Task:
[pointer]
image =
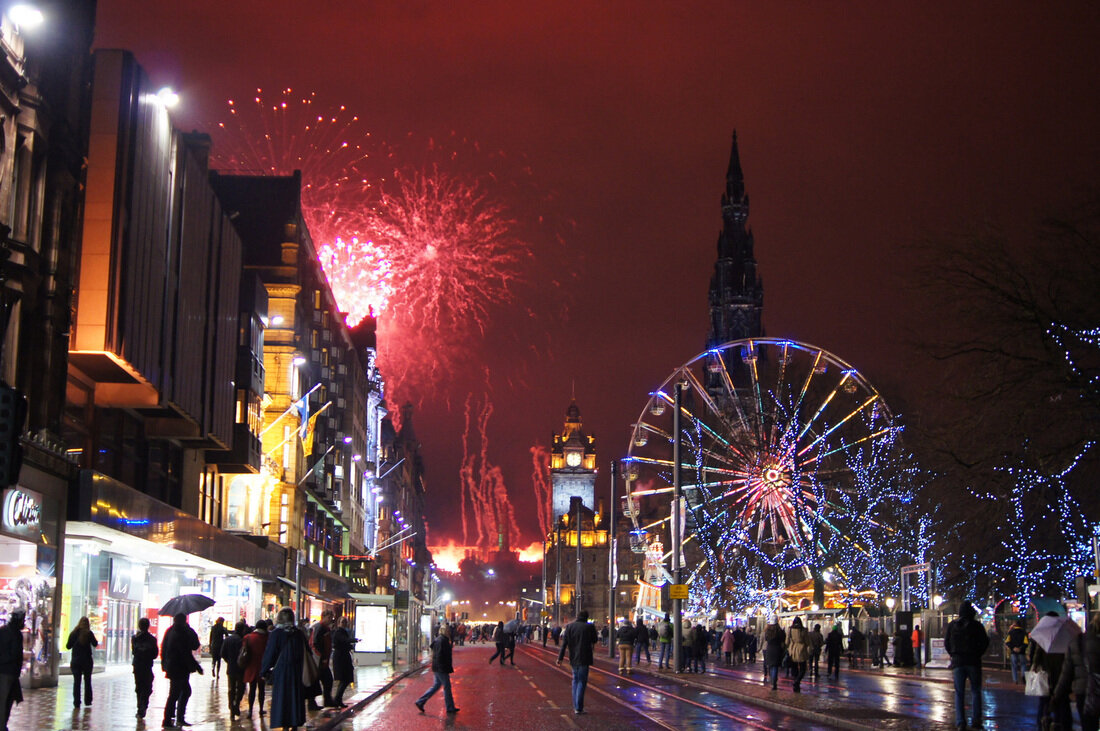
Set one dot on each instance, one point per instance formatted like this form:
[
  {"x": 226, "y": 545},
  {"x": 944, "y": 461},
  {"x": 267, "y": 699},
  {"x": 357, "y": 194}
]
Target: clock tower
[{"x": 573, "y": 464}]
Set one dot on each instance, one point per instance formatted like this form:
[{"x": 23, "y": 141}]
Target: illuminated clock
[{"x": 573, "y": 459}]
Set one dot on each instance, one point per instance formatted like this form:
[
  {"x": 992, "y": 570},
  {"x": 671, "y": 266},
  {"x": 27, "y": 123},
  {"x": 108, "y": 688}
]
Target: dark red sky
[{"x": 861, "y": 130}]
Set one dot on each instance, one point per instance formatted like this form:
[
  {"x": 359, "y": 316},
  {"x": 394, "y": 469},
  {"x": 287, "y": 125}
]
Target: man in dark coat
[
  {"x": 966, "y": 641},
  {"x": 321, "y": 642},
  {"x": 11, "y": 664},
  {"x": 442, "y": 667},
  {"x": 178, "y": 662},
  {"x": 231, "y": 651},
  {"x": 579, "y": 638},
  {"x": 143, "y": 649},
  {"x": 283, "y": 658}
]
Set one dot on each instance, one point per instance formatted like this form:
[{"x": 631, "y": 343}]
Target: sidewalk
[{"x": 115, "y": 704}]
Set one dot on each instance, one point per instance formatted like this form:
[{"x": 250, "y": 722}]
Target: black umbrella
[{"x": 186, "y": 604}]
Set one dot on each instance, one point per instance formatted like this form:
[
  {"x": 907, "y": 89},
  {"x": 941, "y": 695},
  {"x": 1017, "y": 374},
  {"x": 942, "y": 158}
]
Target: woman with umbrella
[
  {"x": 1049, "y": 642},
  {"x": 283, "y": 658}
]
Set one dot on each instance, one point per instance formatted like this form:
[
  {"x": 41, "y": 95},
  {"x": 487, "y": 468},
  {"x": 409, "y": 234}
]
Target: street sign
[{"x": 677, "y": 591}]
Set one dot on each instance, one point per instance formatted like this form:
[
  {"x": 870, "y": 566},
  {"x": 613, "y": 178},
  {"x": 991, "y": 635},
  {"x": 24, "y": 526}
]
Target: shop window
[{"x": 236, "y": 505}]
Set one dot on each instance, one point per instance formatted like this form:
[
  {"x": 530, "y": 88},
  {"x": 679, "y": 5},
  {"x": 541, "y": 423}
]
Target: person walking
[
  {"x": 498, "y": 638},
  {"x": 234, "y": 673},
  {"x": 1016, "y": 644},
  {"x": 11, "y": 664},
  {"x": 883, "y": 648},
  {"x": 579, "y": 638},
  {"x": 855, "y": 647},
  {"x": 1082, "y": 653},
  {"x": 664, "y": 636},
  {"x": 1048, "y": 643},
  {"x": 701, "y": 643},
  {"x": 965, "y": 640},
  {"x": 217, "y": 637},
  {"x": 641, "y": 642},
  {"x": 625, "y": 639},
  {"x": 872, "y": 647},
  {"x": 81, "y": 641},
  {"x": 442, "y": 667},
  {"x": 834, "y": 648},
  {"x": 817, "y": 641},
  {"x": 752, "y": 644},
  {"x": 144, "y": 651},
  {"x": 918, "y": 643},
  {"x": 687, "y": 646},
  {"x": 343, "y": 670},
  {"x": 284, "y": 655},
  {"x": 727, "y": 645},
  {"x": 774, "y": 641},
  {"x": 177, "y": 659},
  {"x": 321, "y": 644},
  {"x": 254, "y": 644},
  {"x": 798, "y": 647}
]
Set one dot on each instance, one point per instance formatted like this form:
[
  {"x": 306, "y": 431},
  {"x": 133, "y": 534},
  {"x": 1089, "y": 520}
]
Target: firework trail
[
  {"x": 540, "y": 480},
  {"x": 484, "y": 494}
]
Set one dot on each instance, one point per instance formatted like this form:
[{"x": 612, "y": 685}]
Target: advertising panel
[{"x": 370, "y": 628}]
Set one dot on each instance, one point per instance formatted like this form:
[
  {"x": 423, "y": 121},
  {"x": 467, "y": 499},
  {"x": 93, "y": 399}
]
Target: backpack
[{"x": 666, "y": 631}]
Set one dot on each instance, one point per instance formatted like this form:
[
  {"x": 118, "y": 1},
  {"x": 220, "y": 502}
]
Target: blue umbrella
[{"x": 185, "y": 604}]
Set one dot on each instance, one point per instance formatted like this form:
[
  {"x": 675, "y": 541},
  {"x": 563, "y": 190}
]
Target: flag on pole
[
  {"x": 309, "y": 437},
  {"x": 302, "y": 406}
]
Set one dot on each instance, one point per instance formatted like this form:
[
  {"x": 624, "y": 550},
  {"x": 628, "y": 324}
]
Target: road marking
[
  {"x": 569, "y": 721},
  {"x": 552, "y": 704},
  {"x": 540, "y": 692}
]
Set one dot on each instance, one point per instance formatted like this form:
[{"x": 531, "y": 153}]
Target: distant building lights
[
  {"x": 299, "y": 360},
  {"x": 356, "y": 457},
  {"x": 26, "y": 16},
  {"x": 347, "y": 440},
  {"x": 276, "y": 320},
  {"x": 167, "y": 97}
]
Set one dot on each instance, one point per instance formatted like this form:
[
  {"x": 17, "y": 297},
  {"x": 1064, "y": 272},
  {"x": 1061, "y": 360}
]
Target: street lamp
[
  {"x": 890, "y": 602},
  {"x": 937, "y": 601}
]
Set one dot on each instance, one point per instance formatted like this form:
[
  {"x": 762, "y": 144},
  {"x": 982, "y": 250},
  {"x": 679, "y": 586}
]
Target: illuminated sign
[
  {"x": 371, "y": 628},
  {"x": 22, "y": 513}
]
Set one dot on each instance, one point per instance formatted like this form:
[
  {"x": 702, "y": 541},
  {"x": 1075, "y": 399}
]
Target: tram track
[{"x": 742, "y": 721}]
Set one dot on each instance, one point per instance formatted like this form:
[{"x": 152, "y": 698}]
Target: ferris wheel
[{"x": 769, "y": 430}]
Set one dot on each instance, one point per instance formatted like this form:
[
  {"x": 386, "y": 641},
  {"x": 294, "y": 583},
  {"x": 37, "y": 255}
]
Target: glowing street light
[
  {"x": 26, "y": 16},
  {"x": 168, "y": 97}
]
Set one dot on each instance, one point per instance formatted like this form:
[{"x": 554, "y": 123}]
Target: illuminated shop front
[
  {"x": 31, "y": 524},
  {"x": 126, "y": 554}
]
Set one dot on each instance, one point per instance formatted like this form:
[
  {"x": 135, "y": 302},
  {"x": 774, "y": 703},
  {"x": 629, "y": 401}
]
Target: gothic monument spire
[{"x": 736, "y": 295}]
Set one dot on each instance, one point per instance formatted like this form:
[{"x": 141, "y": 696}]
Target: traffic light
[{"x": 13, "y": 412}]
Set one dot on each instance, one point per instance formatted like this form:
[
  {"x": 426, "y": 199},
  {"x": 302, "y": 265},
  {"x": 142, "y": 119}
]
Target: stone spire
[{"x": 736, "y": 295}]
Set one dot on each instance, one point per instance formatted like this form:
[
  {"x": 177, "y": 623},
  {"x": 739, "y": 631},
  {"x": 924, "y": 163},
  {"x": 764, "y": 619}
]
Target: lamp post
[
  {"x": 611, "y": 567},
  {"x": 580, "y": 566},
  {"x": 677, "y": 606}
]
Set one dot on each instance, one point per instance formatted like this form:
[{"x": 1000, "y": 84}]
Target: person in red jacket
[
  {"x": 918, "y": 638},
  {"x": 255, "y": 642}
]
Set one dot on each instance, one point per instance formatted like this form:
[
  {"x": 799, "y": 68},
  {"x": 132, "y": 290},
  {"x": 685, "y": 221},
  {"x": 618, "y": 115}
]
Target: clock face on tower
[{"x": 573, "y": 459}]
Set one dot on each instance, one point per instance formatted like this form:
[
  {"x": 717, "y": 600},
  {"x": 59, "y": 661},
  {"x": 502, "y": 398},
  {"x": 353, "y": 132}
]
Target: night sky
[{"x": 862, "y": 131}]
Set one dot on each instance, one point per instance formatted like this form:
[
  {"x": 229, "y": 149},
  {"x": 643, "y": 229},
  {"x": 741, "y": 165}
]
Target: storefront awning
[
  {"x": 293, "y": 585},
  {"x": 105, "y": 509}
]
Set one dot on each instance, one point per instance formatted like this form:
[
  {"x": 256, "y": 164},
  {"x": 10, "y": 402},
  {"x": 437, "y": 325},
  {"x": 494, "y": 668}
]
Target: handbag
[
  {"x": 1038, "y": 684},
  {"x": 243, "y": 656},
  {"x": 310, "y": 672}
]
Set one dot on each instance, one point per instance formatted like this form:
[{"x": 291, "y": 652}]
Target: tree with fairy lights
[{"x": 1042, "y": 530}]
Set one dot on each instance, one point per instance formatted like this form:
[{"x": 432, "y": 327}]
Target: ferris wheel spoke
[
  {"x": 824, "y": 435},
  {"x": 727, "y": 381},
  {"x": 654, "y": 491},
  {"x": 848, "y": 445}
]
